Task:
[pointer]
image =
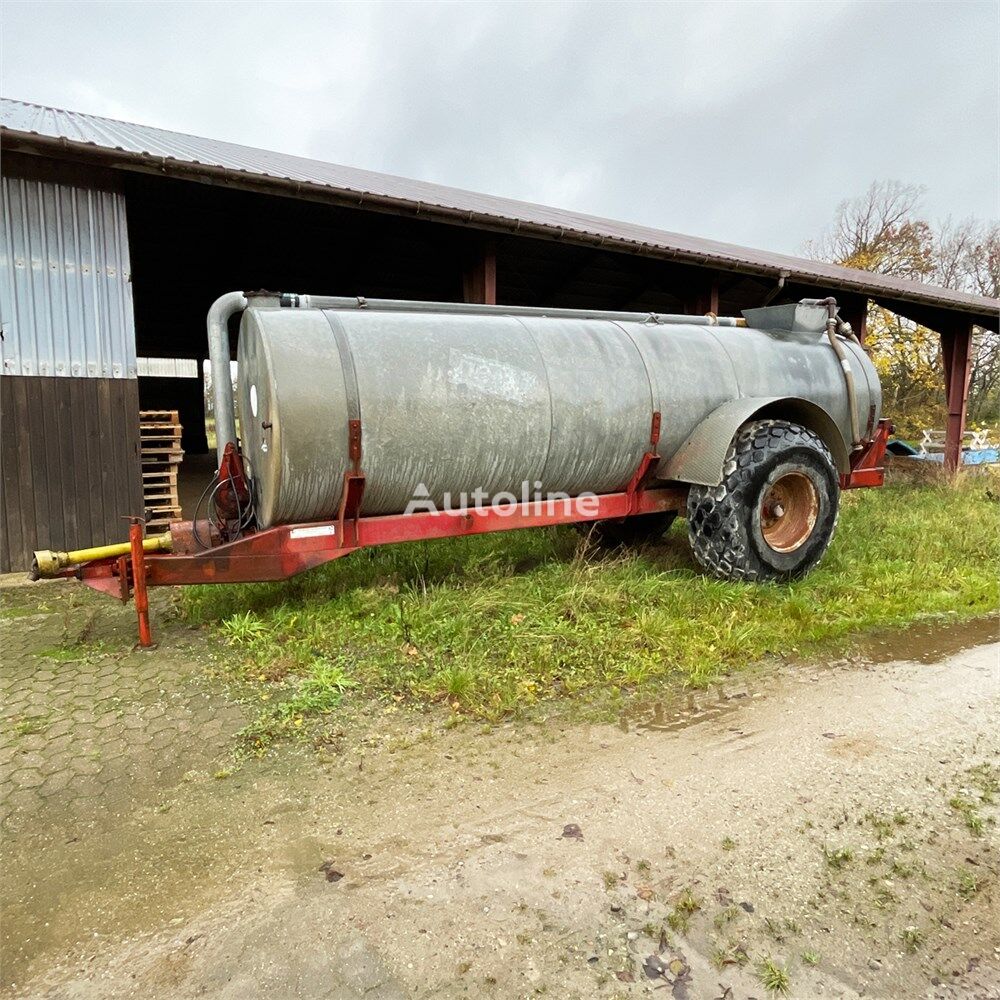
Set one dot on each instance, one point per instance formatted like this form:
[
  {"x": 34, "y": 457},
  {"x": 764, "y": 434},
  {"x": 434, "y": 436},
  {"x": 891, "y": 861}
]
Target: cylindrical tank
[{"x": 452, "y": 403}]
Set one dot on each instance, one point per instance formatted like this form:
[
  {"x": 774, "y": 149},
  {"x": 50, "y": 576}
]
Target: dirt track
[{"x": 811, "y": 813}]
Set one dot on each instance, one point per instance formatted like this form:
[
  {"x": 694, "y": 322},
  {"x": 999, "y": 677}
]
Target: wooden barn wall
[{"x": 69, "y": 451}]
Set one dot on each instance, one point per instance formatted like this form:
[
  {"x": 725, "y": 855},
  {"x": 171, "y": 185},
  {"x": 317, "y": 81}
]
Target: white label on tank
[
  {"x": 253, "y": 400},
  {"x": 316, "y": 532}
]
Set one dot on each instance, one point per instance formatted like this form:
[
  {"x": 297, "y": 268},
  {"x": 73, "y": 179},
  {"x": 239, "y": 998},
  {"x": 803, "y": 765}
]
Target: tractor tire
[
  {"x": 638, "y": 529},
  {"x": 774, "y": 514}
]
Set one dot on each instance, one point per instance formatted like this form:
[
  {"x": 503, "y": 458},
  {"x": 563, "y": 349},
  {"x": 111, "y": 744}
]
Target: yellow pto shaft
[{"x": 49, "y": 563}]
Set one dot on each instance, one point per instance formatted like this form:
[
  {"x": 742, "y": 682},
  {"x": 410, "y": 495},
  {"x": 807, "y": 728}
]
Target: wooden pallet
[
  {"x": 160, "y": 455},
  {"x": 160, "y": 417}
]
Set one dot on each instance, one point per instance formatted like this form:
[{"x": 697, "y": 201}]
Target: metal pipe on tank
[
  {"x": 222, "y": 309},
  {"x": 838, "y": 349},
  {"x": 290, "y": 300}
]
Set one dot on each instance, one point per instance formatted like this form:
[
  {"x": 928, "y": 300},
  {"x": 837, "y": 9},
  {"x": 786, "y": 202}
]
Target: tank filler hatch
[{"x": 795, "y": 317}]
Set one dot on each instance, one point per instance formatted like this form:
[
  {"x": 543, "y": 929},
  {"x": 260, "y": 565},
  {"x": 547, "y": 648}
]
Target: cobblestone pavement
[{"x": 89, "y": 723}]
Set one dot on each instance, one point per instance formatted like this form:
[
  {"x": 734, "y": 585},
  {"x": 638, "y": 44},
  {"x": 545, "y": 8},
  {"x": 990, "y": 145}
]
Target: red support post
[
  {"x": 705, "y": 299},
  {"x": 956, "y": 352},
  {"x": 861, "y": 330},
  {"x": 479, "y": 282},
  {"x": 856, "y": 313},
  {"x": 139, "y": 582}
]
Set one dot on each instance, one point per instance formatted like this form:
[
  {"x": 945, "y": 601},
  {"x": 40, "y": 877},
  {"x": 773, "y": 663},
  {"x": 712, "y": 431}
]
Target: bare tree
[
  {"x": 883, "y": 231},
  {"x": 880, "y": 231}
]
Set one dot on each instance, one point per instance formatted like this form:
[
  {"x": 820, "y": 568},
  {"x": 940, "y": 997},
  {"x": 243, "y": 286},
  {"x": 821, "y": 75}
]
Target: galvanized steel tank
[{"x": 490, "y": 401}]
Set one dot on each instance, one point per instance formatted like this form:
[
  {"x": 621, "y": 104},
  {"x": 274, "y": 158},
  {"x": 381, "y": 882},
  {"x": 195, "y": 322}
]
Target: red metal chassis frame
[{"x": 286, "y": 550}]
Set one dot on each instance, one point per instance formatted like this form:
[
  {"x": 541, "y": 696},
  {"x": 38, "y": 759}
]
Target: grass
[
  {"x": 493, "y": 625},
  {"x": 773, "y": 977}
]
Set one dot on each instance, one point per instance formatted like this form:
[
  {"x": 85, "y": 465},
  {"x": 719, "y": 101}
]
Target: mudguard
[{"x": 700, "y": 458}]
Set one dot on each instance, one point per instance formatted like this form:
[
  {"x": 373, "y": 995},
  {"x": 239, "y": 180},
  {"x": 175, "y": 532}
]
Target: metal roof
[{"x": 143, "y": 147}]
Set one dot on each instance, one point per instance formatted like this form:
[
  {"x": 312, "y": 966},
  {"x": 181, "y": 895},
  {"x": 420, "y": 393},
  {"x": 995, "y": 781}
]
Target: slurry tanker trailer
[{"x": 369, "y": 422}]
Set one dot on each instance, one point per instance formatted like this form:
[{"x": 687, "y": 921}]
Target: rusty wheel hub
[{"x": 788, "y": 512}]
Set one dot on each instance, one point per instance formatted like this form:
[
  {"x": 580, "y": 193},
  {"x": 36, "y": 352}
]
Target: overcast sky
[{"x": 737, "y": 121}]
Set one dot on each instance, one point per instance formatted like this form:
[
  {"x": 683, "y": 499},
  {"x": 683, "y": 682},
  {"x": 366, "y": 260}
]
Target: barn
[{"x": 117, "y": 237}]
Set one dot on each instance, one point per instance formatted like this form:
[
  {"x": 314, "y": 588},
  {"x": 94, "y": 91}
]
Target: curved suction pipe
[{"x": 222, "y": 309}]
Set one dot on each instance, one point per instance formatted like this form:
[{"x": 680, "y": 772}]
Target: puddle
[
  {"x": 124, "y": 871},
  {"x": 927, "y": 642}
]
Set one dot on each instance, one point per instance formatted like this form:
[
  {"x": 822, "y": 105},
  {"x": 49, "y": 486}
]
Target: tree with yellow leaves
[{"x": 882, "y": 231}]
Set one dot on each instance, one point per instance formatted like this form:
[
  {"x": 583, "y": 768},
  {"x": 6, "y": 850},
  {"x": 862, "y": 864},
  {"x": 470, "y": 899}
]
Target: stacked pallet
[{"x": 160, "y": 440}]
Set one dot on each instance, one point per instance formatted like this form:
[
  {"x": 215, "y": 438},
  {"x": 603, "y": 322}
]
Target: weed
[
  {"x": 810, "y": 957},
  {"x": 882, "y": 896},
  {"x": 728, "y": 844},
  {"x": 912, "y": 938},
  {"x": 902, "y": 869},
  {"x": 643, "y": 867},
  {"x": 875, "y": 857},
  {"x": 774, "y": 929},
  {"x": 62, "y": 654},
  {"x": 985, "y": 778},
  {"x": 725, "y": 917},
  {"x": 773, "y": 977},
  {"x": 679, "y": 918},
  {"x": 881, "y": 825},
  {"x": 31, "y": 725},
  {"x": 968, "y": 810},
  {"x": 729, "y": 954},
  {"x": 969, "y": 883},
  {"x": 687, "y": 902},
  {"x": 610, "y": 880},
  {"x": 838, "y": 857},
  {"x": 318, "y": 692}
]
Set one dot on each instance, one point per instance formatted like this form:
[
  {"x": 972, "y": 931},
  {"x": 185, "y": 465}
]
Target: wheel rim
[{"x": 788, "y": 512}]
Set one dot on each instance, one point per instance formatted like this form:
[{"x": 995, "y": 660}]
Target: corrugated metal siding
[
  {"x": 65, "y": 292},
  {"x": 153, "y": 146},
  {"x": 167, "y": 367}
]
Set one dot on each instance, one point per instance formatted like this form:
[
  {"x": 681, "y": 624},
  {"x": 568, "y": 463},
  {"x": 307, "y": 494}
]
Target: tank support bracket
[
  {"x": 647, "y": 466},
  {"x": 350, "y": 509}
]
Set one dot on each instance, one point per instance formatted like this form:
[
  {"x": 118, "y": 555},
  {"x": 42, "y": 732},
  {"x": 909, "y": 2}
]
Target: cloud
[{"x": 741, "y": 122}]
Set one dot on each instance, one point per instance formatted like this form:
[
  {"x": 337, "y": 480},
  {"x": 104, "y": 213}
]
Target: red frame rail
[{"x": 286, "y": 550}]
